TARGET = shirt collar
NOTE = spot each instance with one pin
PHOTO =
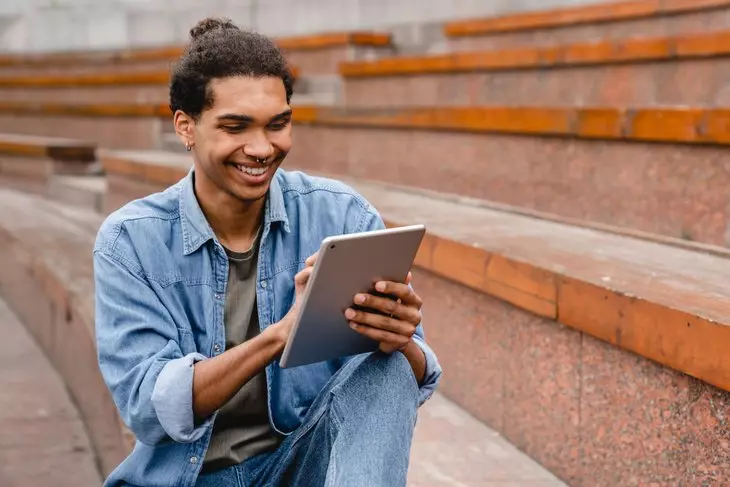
(195, 227)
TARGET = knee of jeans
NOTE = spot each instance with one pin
(382, 372)
(398, 371)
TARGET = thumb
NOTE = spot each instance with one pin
(302, 276)
(312, 259)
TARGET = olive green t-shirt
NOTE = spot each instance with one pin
(242, 429)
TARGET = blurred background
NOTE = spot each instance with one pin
(568, 158)
(42, 25)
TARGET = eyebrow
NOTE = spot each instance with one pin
(248, 119)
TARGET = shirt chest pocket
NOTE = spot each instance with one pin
(196, 311)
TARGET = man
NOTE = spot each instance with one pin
(197, 288)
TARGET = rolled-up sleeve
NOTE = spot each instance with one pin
(150, 380)
(433, 369)
(371, 220)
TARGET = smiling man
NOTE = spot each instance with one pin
(197, 288)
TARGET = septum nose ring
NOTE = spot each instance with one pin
(261, 160)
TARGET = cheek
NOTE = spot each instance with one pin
(282, 140)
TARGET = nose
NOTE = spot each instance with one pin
(258, 146)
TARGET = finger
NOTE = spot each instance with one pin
(400, 291)
(390, 307)
(392, 341)
(303, 276)
(381, 322)
(312, 259)
(409, 278)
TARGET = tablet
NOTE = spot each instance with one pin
(347, 265)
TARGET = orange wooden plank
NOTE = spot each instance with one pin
(96, 80)
(522, 285)
(671, 125)
(459, 262)
(529, 120)
(20, 149)
(164, 53)
(715, 126)
(684, 342)
(666, 125)
(87, 80)
(702, 45)
(684, 6)
(86, 57)
(602, 123)
(321, 41)
(99, 110)
(643, 49)
(583, 53)
(605, 12)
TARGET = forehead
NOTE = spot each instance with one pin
(245, 95)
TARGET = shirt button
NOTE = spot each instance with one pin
(217, 348)
(193, 459)
(263, 284)
(218, 296)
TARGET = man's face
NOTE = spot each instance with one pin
(243, 138)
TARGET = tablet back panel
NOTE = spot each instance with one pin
(347, 265)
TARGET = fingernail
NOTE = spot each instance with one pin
(349, 314)
(359, 299)
(380, 286)
(353, 325)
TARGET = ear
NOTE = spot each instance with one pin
(184, 128)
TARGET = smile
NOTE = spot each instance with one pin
(251, 171)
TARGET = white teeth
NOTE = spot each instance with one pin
(252, 171)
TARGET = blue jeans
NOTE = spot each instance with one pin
(358, 432)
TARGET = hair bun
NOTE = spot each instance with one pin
(208, 24)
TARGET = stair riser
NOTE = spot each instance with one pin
(673, 190)
(655, 83)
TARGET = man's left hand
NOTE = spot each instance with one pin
(401, 315)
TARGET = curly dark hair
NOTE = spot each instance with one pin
(219, 49)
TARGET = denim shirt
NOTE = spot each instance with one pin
(160, 279)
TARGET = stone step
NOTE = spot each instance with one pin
(595, 21)
(85, 191)
(655, 169)
(449, 444)
(43, 441)
(316, 54)
(651, 170)
(625, 73)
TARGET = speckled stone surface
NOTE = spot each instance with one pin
(710, 20)
(667, 189)
(42, 438)
(589, 412)
(623, 85)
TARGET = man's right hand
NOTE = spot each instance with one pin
(300, 285)
(218, 379)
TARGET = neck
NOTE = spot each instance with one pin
(234, 222)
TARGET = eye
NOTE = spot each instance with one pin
(279, 125)
(233, 128)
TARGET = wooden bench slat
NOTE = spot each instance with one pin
(586, 14)
(171, 53)
(686, 125)
(690, 125)
(576, 54)
(52, 147)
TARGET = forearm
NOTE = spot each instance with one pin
(417, 359)
(217, 380)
